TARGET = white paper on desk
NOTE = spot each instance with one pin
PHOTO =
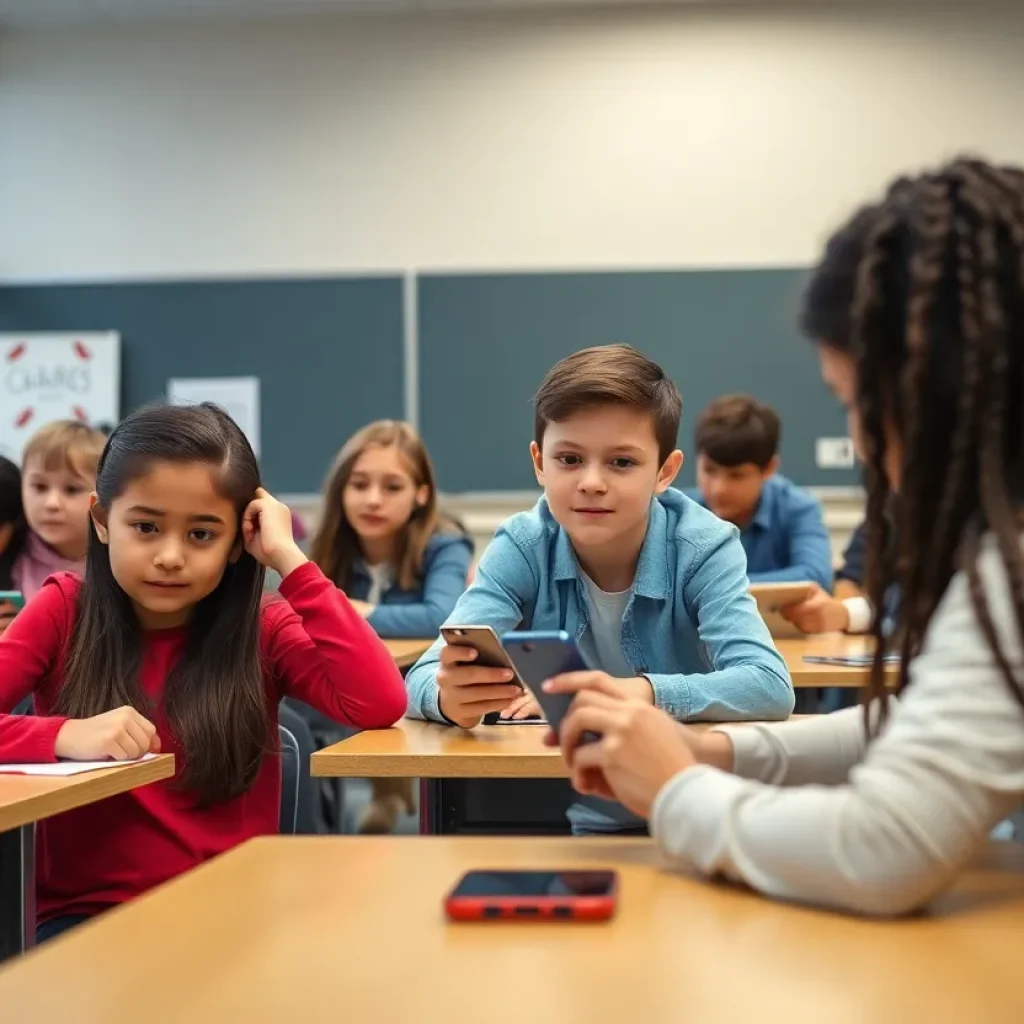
(65, 767)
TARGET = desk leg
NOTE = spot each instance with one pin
(430, 807)
(17, 891)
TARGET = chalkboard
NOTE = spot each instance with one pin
(486, 341)
(329, 352)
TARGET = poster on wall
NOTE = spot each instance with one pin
(45, 377)
(239, 397)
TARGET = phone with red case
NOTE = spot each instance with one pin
(533, 896)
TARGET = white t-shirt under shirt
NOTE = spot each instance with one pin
(602, 643)
(380, 581)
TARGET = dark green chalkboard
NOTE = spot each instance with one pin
(487, 340)
(328, 352)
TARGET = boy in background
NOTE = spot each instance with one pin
(781, 526)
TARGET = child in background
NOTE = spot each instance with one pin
(58, 476)
(781, 526)
(12, 533)
(382, 541)
(917, 311)
(652, 586)
(166, 645)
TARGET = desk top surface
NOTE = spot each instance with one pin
(28, 798)
(320, 929)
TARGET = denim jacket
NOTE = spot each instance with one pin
(419, 612)
(690, 626)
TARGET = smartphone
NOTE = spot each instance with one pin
(533, 895)
(485, 642)
(15, 597)
(538, 656)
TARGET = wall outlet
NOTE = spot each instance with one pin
(834, 453)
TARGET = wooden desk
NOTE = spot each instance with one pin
(407, 652)
(833, 644)
(432, 753)
(423, 750)
(26, 799)
(311, 929)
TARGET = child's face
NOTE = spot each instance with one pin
(600, 469)
(56, 505)
(170, 537)
(732, 492)
(381, 494)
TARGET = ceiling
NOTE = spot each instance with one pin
(42, 13)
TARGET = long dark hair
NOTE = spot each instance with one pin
(213, 699)
(925, 292)
(11, 514)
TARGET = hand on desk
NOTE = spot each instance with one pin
(466, 692)
(524, 706)
(640, 747)
(819, 613)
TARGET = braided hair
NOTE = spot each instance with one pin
(924, 291)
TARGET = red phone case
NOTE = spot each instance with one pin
(531, 908)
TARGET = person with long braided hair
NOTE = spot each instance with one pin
(917, 310)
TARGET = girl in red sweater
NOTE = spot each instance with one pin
(167, 645)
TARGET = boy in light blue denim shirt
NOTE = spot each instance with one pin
(653, 587)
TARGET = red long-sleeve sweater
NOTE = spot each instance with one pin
(315, 647)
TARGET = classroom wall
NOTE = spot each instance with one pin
(680, 137)
(478, 150)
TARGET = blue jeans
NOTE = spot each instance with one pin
(57, 926)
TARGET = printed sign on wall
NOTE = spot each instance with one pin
(45, 377)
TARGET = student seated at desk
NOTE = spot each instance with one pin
(53, 531)
(402, 564)
(381, 538)
(781, 526)
(917, 309)
(652, 586)
(167, 645)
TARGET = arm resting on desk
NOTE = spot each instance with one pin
(948, 766)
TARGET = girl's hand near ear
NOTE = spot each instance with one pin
(267, 534)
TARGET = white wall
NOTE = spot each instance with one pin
(672, 137)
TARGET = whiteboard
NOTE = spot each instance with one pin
(45, 377)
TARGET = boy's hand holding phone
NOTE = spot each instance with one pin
(466, 692)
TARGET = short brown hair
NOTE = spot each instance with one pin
(737, 429)
(67, 444)
(610, 375)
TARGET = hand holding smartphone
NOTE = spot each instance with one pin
(476, 677)
(541, 655)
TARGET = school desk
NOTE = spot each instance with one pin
(407, 652)
(322, 929)
(809, 674)
(26, 799)
(441, 757)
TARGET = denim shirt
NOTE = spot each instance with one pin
(690, 627)
(419, 612)
(786, 540)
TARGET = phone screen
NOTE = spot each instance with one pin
(536, 883)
